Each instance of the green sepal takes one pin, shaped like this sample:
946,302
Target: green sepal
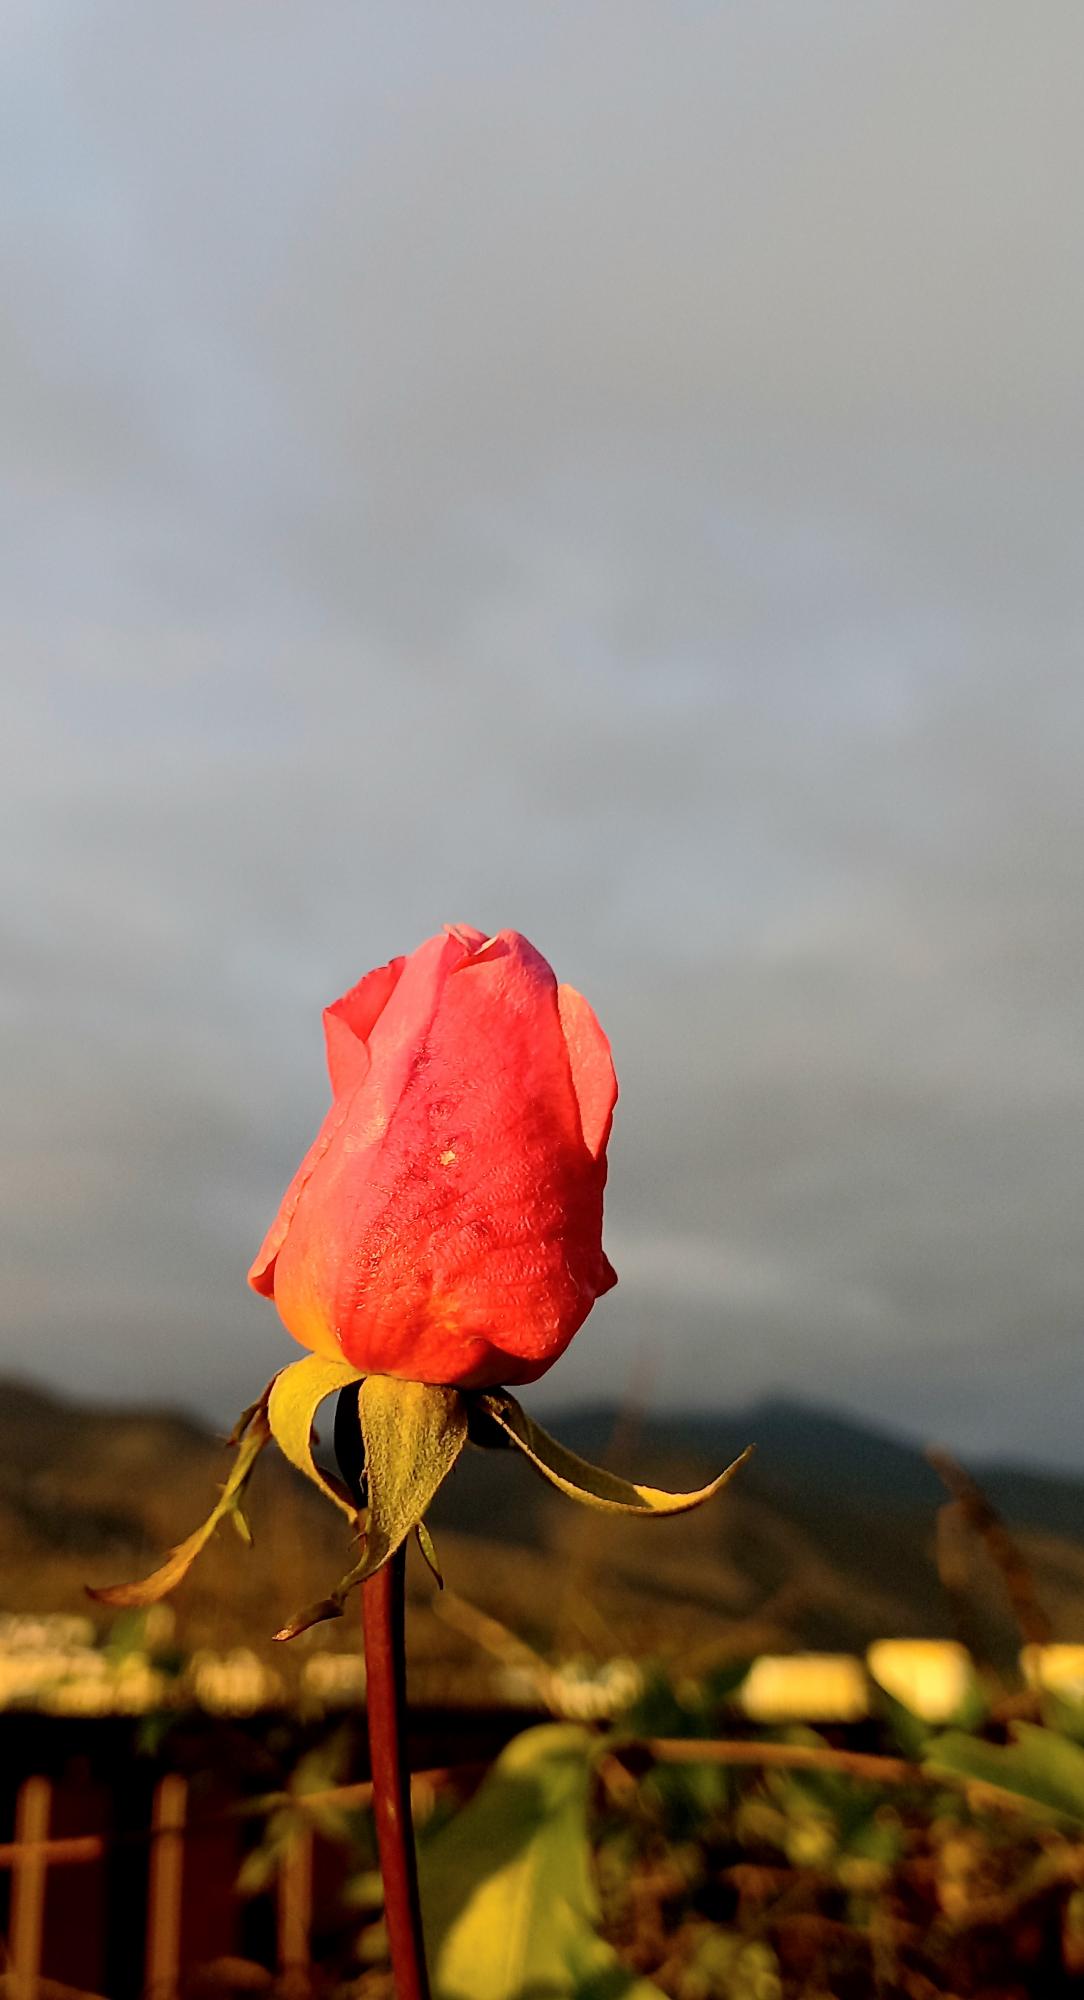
429,1553
413,1433
318,1613
247,1414
240,1523
132,1596
295,1396
591,1484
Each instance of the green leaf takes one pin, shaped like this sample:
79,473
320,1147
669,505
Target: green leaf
125,1596
1039,1767
508,1900
1063,1713
590,1483
908,1731
258,1869
296,1395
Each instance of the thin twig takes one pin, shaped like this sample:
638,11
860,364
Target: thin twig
978,1513
861,1764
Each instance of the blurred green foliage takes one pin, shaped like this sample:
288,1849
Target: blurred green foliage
508,1892
616,1864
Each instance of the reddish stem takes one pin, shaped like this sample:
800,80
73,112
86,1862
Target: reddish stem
383,1617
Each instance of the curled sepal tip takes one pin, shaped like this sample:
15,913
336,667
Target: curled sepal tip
248,1415
133,1596
428,1548
315,1614
591,1483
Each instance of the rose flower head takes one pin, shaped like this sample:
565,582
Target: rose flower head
446,1224
441,1239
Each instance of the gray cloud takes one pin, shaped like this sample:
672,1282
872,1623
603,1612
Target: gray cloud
613,472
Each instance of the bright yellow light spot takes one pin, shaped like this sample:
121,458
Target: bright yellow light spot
447,1159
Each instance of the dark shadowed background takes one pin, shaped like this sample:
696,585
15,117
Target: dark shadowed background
613,470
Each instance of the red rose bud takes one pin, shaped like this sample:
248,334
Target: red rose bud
446,1225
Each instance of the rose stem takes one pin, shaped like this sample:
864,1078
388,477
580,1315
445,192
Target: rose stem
383,1620
383,1599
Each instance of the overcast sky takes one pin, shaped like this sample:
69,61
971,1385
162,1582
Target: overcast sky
609,470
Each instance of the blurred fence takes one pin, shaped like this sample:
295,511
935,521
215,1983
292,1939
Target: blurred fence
40,1868
168,1880
178,1879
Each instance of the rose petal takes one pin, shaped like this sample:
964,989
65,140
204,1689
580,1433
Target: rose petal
466,935
593,1078
445,1227
262,1271
349,1022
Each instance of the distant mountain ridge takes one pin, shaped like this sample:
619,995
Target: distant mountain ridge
826,1540
799,1445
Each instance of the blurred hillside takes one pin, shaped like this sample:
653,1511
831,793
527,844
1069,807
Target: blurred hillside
827,1540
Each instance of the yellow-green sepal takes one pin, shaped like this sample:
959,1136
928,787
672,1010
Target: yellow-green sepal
591,1484
429,1552
296,1394
412,1434
131,1596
